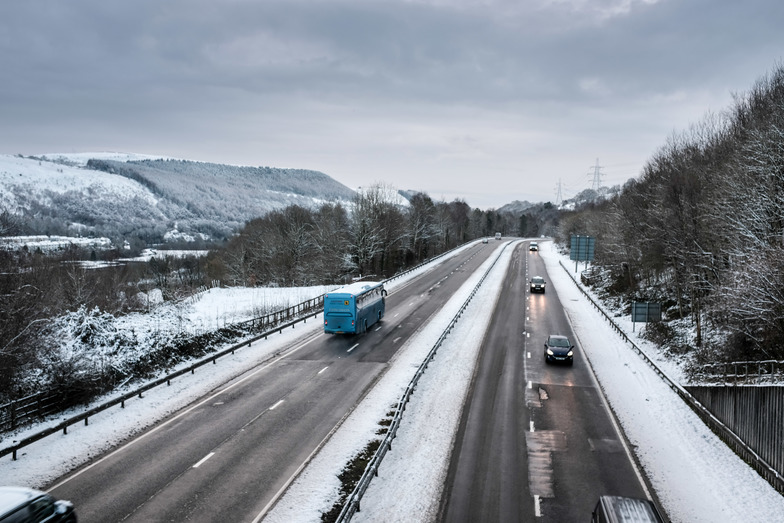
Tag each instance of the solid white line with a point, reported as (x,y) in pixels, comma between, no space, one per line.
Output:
(276,405)
(537,506)
(322,370)
(354,347)
(205,458)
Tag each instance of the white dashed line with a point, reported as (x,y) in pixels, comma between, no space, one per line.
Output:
(205,458)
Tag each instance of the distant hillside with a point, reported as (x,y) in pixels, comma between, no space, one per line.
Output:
(122,196)
(516,207)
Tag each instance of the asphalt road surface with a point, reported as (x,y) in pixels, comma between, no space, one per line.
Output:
(536,441)
(230,455)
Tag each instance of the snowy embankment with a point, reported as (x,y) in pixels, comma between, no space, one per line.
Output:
(696,477)
(43,462)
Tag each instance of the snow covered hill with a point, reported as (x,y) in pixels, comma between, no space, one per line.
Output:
(116,195)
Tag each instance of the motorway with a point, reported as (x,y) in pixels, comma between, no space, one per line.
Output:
(536,441)
(230,455)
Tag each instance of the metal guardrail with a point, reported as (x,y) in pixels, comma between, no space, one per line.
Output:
(720,429)
(351,505)
(294,314)
(743,371)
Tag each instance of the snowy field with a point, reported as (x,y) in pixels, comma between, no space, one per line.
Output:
(696,477)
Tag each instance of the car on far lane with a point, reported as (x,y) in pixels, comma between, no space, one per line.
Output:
(538,284)
(557,349)
(533,246)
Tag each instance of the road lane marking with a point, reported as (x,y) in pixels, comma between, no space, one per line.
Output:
(529,354)
(530,384)
(205,458)
(354,347)
(396,339)
(322,370)
(185,412)
(378,329)
(276,405)
(532,426)
(537,506)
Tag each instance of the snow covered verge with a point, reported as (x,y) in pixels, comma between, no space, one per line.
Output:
(44,461)
(413,472)
(696,477)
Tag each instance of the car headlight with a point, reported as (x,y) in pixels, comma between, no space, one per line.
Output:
(570,353)
(549,352)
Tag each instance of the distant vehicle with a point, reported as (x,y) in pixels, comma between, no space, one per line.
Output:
(498,236)
(538,284)
(533,246)
(354,308)
(617,509)
(26,505)
(558,348)
(484,240)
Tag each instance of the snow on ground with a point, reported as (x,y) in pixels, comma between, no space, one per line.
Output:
(696,477)
(412,473)
(48,459)
(42,176)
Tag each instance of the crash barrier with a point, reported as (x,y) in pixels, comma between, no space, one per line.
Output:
(37,406)
(351,505)
(736,372)
(34,407)
(754,413)
(763,468)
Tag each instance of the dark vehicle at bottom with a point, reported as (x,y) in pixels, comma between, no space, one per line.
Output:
(26,505)
(558,348)
(617,509)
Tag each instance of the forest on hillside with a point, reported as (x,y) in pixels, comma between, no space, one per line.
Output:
(702,231)
(43,296)
(377,237)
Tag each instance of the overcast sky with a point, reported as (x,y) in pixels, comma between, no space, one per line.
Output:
(485,100)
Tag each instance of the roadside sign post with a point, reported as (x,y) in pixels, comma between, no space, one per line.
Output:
(643,311)
(582,249)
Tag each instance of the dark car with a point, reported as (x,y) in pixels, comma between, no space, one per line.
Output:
(558,348)
(26,505)
(533,246)
(538,284)
(617,509)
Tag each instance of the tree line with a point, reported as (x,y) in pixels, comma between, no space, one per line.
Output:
(44,294)
(702,229)
(376,237)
